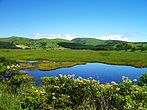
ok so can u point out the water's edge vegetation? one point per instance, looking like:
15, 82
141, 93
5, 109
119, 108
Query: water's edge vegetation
18, 92
72, 57
48, 65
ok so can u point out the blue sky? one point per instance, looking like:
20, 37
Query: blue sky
68, 18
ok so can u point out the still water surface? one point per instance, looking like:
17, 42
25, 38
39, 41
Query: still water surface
98, 71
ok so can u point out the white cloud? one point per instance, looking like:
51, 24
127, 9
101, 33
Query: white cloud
53, 36
38, 34
114, 37
70, 37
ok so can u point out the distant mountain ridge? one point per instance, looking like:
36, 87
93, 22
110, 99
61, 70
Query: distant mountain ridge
42, 43
95, 42
77, 43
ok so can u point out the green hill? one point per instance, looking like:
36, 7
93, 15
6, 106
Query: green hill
77, 43
28, 43
89, 41
95, 42
110, 44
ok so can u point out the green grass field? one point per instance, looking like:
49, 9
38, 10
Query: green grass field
137, 59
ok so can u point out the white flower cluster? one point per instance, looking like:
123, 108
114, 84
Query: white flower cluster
114, 83
127, 80
13, 67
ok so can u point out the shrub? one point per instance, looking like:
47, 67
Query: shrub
143, 80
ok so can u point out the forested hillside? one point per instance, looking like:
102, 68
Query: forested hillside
77, 43
27, 43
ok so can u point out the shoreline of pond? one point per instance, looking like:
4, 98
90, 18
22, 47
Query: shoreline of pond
44, 65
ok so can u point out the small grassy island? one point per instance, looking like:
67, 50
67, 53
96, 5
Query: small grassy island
48, 65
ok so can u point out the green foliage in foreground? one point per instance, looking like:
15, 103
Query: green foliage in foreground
3, 65
18, 92
143, 80
68, 93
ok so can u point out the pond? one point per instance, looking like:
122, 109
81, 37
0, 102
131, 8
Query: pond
105, 73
